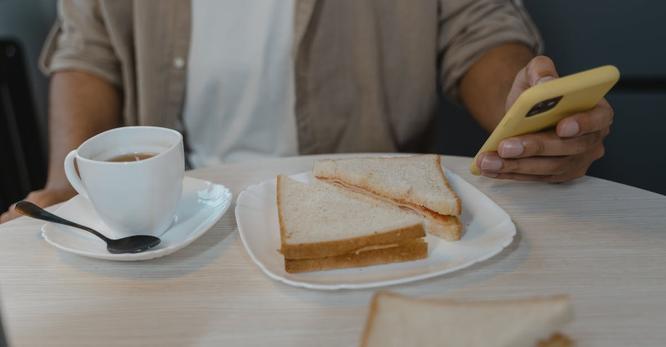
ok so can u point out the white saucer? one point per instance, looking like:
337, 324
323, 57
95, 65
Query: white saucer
202, 205
488, 229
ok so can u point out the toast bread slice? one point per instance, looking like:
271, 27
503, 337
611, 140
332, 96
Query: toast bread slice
320, 220
415, 182
396, 320
447, 227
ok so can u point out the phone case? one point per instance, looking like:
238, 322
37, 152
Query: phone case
566, 96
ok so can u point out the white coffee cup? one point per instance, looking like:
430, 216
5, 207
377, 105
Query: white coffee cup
132, 197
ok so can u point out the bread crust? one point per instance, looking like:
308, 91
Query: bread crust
341, 247
411, 250
556, 340
458, 210
278, 193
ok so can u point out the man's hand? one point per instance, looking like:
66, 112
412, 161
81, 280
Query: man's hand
557, 155
42, 198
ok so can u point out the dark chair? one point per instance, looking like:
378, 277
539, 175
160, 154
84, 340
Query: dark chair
22, 158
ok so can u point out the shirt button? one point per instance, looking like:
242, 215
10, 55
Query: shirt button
178, 63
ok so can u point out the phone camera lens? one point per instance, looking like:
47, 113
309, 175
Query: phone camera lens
543, 106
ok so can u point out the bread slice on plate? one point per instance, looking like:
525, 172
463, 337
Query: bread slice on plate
325, 227
396, 320
414, 182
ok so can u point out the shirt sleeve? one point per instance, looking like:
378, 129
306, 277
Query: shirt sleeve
79, 41
468, 28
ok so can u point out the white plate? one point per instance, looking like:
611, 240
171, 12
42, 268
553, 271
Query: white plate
487, 230
202, 205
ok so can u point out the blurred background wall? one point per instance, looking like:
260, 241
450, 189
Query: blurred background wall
578, 35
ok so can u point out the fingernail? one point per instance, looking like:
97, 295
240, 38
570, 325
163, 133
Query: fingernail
491, 163
489, 174
511, 148
569, 129
545, 79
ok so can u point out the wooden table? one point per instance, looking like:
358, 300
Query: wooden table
601, 242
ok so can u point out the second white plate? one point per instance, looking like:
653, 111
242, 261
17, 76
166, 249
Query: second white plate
487, 230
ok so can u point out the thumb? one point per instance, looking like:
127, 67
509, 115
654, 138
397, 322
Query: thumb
540, 69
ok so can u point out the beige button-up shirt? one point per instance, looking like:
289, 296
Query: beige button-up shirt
367, 72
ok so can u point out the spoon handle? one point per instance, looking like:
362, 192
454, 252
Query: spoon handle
31, 210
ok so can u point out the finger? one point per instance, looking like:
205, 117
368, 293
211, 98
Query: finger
515, 176
596, 119
10, 214
7, 216
536, 178
579, 169
547, 143
491, 162
576, 172
539, 70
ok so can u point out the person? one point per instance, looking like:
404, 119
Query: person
249, 79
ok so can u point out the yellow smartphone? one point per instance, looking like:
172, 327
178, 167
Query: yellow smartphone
544, 105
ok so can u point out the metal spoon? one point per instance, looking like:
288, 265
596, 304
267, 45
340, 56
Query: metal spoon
131, 244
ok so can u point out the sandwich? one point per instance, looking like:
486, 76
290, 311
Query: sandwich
395, 320
416, 183
325, 227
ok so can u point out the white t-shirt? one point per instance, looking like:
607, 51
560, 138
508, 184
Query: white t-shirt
240, 82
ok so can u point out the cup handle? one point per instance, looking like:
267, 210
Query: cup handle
73, 175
